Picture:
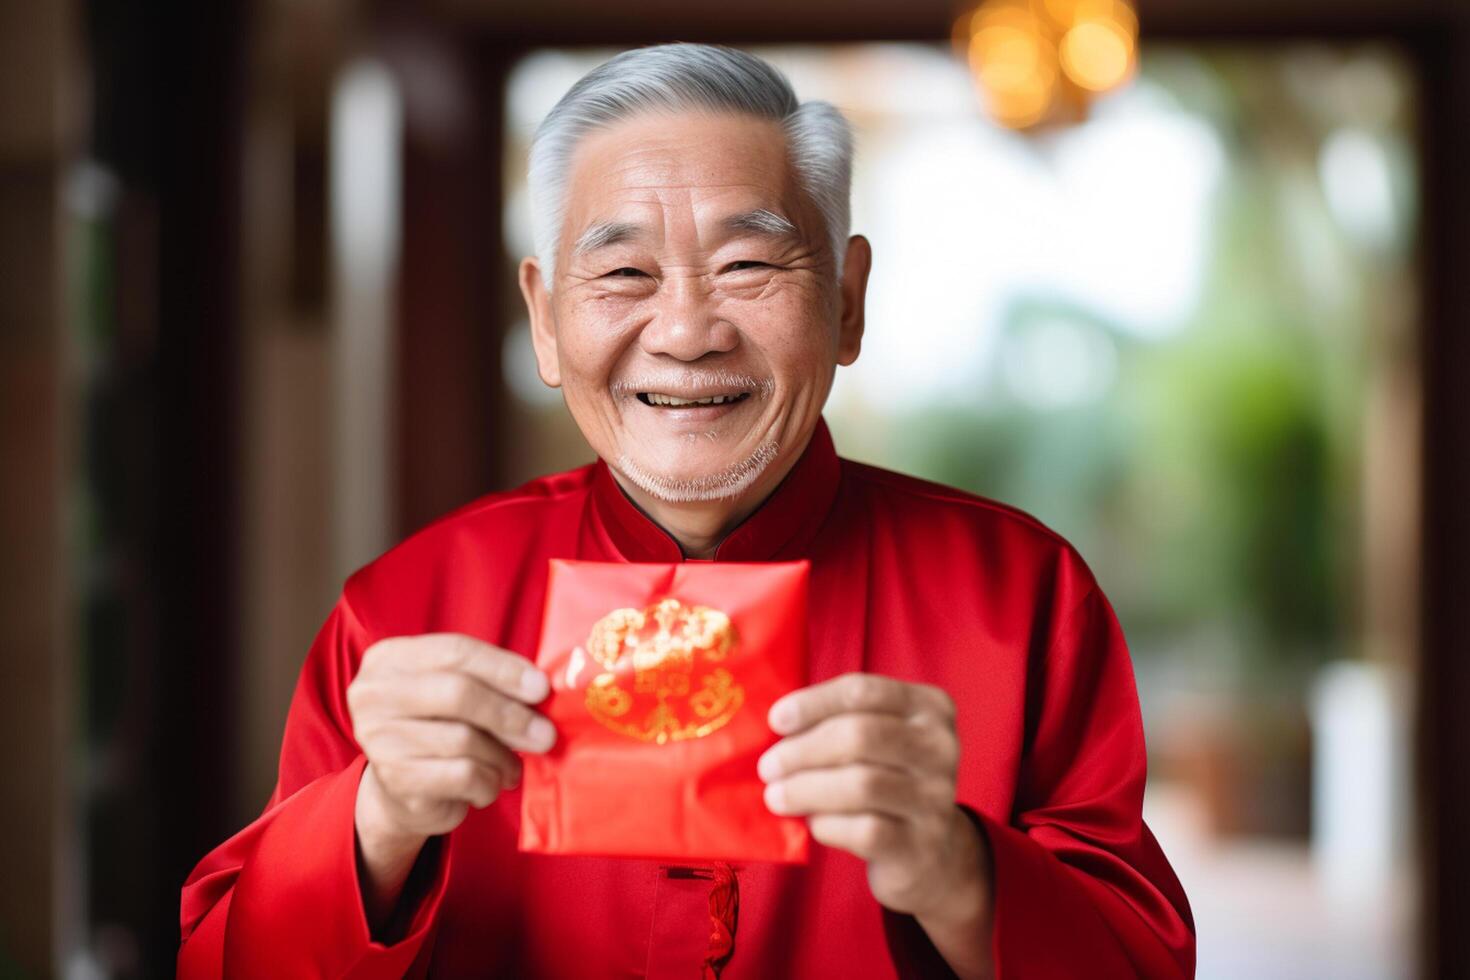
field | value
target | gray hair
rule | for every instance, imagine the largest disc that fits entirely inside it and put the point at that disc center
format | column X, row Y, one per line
column 677, row 78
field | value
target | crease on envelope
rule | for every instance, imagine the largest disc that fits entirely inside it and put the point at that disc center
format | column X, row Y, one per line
column 575, row 666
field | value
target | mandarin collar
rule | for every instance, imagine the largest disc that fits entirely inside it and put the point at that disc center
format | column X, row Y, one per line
column 780, row 528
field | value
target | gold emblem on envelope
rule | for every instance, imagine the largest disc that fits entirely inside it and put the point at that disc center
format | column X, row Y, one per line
column 673, row 656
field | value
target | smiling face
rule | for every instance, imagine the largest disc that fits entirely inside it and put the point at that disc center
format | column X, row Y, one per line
column 695, row 321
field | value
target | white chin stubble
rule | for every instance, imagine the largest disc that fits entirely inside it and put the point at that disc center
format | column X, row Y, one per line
column 729, row 482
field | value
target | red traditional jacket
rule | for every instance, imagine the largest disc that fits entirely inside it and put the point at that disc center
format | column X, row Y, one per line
column 909, row 579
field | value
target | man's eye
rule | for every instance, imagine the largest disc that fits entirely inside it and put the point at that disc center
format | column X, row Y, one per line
column 626, row 272
column 744, row 264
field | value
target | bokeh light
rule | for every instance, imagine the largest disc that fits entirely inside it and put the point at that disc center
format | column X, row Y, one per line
column 1044, row 61
column 1097, row 54
column 1014, row 63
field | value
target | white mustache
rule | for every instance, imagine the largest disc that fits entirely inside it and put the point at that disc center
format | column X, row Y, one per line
column 692, row 381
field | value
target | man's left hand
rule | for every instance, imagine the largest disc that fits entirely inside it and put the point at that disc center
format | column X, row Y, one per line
column 871, row 762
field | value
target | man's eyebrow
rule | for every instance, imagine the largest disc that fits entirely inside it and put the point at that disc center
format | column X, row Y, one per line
column 605, row 233
column 762, row 222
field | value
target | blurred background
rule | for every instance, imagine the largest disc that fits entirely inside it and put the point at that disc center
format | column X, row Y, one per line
column 1187, row 281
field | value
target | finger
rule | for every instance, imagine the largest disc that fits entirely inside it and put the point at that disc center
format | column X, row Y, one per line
column 850, row 789
column 455, row 696
column 885, row 740
column 856, row 692
column 420, row 738
column 867, row 835
column 507, row 672
column 441, row 779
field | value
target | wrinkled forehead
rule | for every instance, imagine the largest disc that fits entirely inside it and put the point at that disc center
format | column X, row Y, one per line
column 667, row 167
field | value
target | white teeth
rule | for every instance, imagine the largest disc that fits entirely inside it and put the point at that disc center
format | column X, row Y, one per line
column 673, row 402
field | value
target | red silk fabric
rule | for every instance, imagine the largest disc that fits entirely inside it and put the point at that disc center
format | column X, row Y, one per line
column 672, row 714
column 910, row 579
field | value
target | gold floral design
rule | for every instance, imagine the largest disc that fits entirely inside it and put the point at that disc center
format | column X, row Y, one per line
column 680, row 690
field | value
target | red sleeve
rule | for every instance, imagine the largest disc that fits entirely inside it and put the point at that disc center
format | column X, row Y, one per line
column 1081, row 888
column 281, row 898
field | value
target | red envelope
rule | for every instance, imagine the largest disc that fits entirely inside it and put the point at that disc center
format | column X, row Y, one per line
column 661, row 677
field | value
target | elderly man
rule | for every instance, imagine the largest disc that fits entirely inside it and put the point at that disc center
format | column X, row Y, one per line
column 970, row 758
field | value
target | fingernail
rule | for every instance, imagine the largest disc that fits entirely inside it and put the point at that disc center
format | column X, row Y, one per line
column 533, row 685
column 775, row 798
column 541, row 732
column 767, row 767
column 782, row 716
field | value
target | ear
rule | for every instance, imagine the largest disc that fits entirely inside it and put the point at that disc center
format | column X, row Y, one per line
column 543, row 324
column 854, row 289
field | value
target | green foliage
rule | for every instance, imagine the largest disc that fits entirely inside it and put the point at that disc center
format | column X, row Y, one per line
column 1214, row 485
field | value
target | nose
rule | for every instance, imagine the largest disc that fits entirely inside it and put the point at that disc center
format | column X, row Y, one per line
column 685, row 323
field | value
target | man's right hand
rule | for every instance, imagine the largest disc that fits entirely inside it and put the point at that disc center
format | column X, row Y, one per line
column 437, row 716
